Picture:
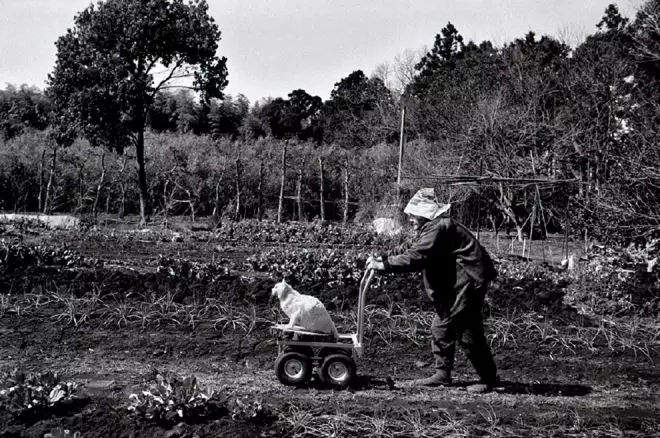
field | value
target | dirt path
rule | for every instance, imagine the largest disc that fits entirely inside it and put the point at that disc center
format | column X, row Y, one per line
column 585, row 390
column 538, row 393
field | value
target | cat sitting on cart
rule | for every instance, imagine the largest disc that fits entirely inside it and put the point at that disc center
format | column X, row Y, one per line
column 306, row 313
column 310, row 343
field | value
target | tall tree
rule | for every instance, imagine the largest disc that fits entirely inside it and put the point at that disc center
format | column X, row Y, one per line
column 104, row 80
column 21, row 109
column 399, row 73
column 302, row 111
column 447, row 48
column 613, row 110
column 646, row 33
column 452, row 78
column 226, row 116
column 162, row 115
column 294, row 117
column 355, row 113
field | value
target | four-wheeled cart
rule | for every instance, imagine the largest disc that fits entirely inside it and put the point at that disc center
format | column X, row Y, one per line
column 301, row 353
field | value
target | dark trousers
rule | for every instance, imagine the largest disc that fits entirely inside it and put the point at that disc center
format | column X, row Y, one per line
column 458, row 319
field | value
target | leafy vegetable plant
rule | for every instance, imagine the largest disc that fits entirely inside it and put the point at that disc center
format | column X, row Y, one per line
column 172, row 400
column 22, row 394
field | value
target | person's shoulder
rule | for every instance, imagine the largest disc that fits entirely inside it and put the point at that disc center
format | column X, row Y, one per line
column 439, row 223
column 444, row 220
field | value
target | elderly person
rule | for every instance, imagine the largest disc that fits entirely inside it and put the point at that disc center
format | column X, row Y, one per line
column 456, row 271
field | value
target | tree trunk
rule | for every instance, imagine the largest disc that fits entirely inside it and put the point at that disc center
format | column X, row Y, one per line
column 122, row 200
column 506, row 205
column 107, row 206
column 42, row 165
column 321, row 190
column 346, row 197
column 122, row 189
column 166, row 202
column 81, row 194
column 48, row 202
column 217, row 207
column 99, row 187
column 142, row 175
column 280, row 204
column 260, row 199
column 531, row 231
column 192, row 205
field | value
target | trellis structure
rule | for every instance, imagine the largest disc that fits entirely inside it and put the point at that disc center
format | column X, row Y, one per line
column 478, row 181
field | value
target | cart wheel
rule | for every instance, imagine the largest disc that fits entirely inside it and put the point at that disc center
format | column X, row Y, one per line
column 293, row 368
column 337, row 370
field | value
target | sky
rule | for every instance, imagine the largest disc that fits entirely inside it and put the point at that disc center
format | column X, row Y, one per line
column 276, row 46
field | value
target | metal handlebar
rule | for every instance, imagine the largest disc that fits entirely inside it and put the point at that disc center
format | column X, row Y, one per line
column 364, row 286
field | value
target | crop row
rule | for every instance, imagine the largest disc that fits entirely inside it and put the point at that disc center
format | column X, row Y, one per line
column 17, row 255
column 165, row 399
column 615, row 283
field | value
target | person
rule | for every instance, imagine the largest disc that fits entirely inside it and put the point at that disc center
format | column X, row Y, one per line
column 456, row 272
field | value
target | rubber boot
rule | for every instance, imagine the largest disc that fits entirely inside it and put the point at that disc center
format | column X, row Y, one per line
column 440, row 378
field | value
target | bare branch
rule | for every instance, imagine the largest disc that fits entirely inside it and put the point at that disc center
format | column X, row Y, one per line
column 170, row 76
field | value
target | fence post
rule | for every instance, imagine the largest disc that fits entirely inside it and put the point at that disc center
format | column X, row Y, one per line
column 346, row 181
column 260, row 199
column 281, row 200
column 321, row 199
column 299, row 191
column 238, row 188
column 401, row 144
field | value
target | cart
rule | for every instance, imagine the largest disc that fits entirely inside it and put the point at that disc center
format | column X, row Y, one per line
column 302, row 353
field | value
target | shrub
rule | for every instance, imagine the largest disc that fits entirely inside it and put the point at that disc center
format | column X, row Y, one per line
column 619, row 281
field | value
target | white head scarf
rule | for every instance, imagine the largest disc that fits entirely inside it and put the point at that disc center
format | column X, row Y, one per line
column 425, row 204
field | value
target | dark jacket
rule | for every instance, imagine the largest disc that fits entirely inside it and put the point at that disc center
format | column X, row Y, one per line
column 448, row 255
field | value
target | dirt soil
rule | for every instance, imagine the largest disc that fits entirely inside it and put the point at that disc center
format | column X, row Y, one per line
column 542, row 392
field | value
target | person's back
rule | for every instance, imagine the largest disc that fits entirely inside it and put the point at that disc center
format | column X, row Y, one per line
column 456, row 271
column 468, row 253
column 448, row 254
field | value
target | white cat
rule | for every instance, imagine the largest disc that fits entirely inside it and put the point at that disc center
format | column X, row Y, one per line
column 304, row 310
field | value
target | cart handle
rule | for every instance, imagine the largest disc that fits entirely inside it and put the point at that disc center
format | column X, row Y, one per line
column 364, row 286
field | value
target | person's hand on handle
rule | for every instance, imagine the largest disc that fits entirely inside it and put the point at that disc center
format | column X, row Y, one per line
column 375, row 263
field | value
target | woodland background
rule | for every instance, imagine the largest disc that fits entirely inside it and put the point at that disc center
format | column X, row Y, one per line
column 534, row 134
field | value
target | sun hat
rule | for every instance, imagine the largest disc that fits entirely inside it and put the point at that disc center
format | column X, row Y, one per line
column 425, row 204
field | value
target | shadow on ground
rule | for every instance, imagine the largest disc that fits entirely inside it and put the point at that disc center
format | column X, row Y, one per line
column 362, row 383
column 543, row 389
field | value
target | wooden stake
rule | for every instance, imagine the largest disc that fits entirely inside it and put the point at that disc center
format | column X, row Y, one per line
column 238, row 188
column 346, row 181
column 281, row 200
column 99, row 187
column 481, row 172
column 531, row 230
column 401, row 143
column 166, row 203
column 299, row 191
column 260, row 199
column 42, row 166
column 321, row 200
column 216, row 209
column 48, row 201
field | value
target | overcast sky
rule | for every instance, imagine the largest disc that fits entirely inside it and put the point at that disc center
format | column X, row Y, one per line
column 276, row 46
